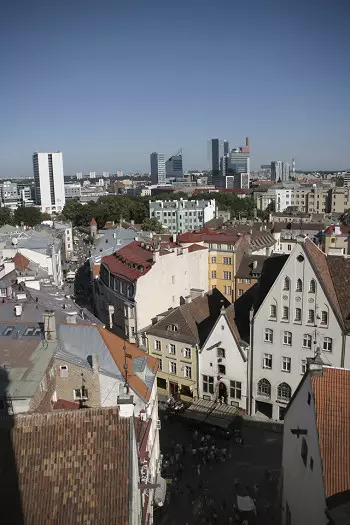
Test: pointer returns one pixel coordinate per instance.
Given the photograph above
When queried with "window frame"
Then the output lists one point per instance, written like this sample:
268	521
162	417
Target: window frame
261	390
287	338
285	360
172	349
186	369
236	388
267	358
187	350
307	337
327	344
285	313
268	335
208	384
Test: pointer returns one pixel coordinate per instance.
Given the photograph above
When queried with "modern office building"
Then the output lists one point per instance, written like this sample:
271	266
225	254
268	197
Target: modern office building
182	215
174	167
9	194
280	171
92	174
79	175
49	181
240	158
158	173
225	164
25	195
72	191
105	174
226	147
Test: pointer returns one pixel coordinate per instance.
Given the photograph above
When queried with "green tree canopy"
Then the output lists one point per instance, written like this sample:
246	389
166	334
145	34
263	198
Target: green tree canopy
28	216
152	225
5	216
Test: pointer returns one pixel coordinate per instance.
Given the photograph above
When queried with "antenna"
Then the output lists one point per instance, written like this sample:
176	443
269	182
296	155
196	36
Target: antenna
126	384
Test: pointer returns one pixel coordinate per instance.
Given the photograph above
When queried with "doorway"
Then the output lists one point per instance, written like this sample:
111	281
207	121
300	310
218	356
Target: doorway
263	409
222	393
174	389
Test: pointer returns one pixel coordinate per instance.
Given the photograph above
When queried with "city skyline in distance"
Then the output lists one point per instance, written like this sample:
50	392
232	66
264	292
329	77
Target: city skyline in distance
86	85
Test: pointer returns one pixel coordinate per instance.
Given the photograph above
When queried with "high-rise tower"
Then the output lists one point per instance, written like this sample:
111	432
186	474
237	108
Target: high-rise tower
49	181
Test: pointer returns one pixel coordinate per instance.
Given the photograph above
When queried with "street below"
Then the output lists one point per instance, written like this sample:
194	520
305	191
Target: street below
203	489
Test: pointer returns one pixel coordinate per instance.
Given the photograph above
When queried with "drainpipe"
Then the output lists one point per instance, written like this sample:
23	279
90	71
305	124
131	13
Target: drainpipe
342	358
250	364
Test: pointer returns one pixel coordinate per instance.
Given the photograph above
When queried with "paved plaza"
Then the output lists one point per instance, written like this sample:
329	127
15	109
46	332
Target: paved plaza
202	489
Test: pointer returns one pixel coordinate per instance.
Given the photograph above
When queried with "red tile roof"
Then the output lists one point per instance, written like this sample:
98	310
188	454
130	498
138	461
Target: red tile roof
21	262
134	254
332	401
344	230
196	247
63	404
208	237
66	465
115	345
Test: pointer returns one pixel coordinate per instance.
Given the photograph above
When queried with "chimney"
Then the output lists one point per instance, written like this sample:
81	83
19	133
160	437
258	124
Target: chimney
71	318
49	325
95	364
18	310
188	299
125	401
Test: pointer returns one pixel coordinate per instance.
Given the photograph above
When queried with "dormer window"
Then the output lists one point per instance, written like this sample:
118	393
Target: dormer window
172	327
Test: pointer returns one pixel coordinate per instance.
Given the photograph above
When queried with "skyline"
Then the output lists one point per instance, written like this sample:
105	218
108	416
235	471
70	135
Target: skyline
107	85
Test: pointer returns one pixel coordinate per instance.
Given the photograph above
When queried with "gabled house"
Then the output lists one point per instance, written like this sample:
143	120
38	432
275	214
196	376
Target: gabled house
175	337
302	306
223	363
316	449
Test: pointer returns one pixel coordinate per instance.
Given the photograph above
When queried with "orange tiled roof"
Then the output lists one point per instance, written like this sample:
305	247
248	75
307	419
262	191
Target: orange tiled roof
115	345
21	262
332	402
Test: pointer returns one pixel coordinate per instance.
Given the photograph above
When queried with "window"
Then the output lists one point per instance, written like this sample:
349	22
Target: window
172	349
227	276
284	392
187	371
312	286
264	388
287	338
286	364
248	281
267	361
54	397
324	317
222	369
157	345
303	366
268	337
172	367
64	371
227	290
221	352
240	281
297	315
236	389
304	451
187	353
80	394
213	274
172	327
240	292
307	341
132	330
286	283
227	260
285	313
29	330
8	330
299	287
213	260
160	364
311	317
327	344
273	311
208	384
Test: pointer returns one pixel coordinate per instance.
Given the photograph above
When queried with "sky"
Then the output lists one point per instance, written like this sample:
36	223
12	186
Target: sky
108	82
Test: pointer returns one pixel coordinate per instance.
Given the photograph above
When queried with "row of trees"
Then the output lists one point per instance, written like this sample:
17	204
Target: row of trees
27	216
116	207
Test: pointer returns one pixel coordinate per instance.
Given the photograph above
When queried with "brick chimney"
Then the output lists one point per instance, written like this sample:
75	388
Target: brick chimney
50	325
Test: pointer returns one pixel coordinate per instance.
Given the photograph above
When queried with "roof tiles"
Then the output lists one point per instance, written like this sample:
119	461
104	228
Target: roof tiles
332	401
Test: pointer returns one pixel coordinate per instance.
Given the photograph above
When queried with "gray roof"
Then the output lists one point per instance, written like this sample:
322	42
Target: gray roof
111	241
32	240
178	204
8	280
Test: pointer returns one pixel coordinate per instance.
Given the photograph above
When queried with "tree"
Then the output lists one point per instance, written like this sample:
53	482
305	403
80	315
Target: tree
152	225
5	216
27	216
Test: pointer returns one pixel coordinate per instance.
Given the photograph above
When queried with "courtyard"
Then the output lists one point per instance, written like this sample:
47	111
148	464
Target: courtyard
203	489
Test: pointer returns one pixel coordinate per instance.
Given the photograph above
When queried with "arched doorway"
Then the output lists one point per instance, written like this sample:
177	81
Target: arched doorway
222	393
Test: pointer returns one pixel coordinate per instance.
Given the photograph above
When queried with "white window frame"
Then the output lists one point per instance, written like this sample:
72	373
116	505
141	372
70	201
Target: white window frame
303	365
268	335
64	369
273	311
187	352
287	338
213	274
172	349
227	276
158	345
267	361
308	338
324	314
80	397
172	365
285	313
286	362
327	344
188	371
296	318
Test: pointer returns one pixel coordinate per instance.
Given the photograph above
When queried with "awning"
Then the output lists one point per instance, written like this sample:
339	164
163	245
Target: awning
160	492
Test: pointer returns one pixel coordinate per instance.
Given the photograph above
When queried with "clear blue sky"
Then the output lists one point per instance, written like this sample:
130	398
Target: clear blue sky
107	82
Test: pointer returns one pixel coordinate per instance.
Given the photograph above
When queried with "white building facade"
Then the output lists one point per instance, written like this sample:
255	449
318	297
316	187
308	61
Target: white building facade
295	319
182	215
223	364
49	181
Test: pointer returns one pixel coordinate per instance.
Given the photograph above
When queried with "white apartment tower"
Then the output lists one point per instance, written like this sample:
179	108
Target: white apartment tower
49	181
158	172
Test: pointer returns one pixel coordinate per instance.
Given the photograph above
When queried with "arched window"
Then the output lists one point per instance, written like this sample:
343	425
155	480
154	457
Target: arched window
264	388
312	286
284	392
286	283
221	352
299	287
